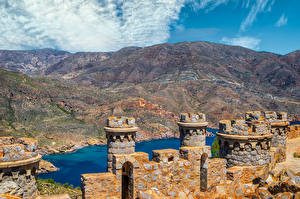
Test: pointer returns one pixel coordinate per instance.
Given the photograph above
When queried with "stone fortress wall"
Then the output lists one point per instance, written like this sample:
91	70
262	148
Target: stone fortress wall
18	164
248	149
171	173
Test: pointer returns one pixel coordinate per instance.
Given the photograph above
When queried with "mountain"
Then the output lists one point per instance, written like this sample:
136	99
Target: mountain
75	92
31	62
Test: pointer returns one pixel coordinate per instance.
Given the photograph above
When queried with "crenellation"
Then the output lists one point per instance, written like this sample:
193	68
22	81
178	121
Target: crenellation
120	122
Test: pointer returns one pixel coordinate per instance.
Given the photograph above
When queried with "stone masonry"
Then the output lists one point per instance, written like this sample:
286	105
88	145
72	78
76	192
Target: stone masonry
192	128
190	172
279	128
244	144
120	134
172	173
18	164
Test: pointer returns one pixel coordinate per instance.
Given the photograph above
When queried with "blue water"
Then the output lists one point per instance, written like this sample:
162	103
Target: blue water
294	122
93	159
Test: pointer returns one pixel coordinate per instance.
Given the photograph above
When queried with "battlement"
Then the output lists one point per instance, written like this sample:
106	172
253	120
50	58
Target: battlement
20	149
120	122
192	117
270	116
244	128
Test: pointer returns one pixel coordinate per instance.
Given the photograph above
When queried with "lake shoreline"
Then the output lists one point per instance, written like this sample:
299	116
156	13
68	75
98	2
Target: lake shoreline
98	142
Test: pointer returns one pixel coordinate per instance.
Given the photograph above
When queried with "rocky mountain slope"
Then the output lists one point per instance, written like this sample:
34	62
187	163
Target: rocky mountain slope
72	94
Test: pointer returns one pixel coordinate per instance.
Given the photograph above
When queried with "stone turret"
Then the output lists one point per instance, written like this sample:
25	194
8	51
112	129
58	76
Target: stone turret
245	142
192	129
18	164
120	134
279	128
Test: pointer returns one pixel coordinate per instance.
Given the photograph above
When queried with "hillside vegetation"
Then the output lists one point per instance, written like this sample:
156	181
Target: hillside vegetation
62	98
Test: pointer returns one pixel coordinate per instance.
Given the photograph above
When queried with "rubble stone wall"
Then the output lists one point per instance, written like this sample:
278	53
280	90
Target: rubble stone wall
192	128
293	131
19	181
119	144
172	173
192	136
18	164
244	152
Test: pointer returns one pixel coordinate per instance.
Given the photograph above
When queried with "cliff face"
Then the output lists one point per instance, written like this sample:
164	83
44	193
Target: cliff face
74	93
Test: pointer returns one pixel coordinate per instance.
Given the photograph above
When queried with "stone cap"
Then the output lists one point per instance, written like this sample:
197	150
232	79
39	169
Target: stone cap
270	116
17	149
192	117
121	124
254	115
192	120
244	137
242	128
20	162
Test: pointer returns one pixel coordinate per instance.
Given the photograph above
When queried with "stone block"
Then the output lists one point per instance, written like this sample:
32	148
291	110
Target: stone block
194	153
120	122
165	155
6	140
254	115
192	117
224	125
30	144
100	185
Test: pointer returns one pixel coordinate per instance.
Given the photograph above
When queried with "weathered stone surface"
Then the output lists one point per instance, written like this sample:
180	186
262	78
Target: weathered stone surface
120	134
18	165
243	173
293	131
100	185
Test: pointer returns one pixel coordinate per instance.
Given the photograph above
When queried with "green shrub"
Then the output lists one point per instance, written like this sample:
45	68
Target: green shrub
215	148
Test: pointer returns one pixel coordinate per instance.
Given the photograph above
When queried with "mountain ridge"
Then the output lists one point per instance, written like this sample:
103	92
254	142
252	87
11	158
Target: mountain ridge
67	99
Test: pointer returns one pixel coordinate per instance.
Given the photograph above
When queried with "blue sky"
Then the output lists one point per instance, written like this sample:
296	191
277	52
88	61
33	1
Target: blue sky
108	25
275	28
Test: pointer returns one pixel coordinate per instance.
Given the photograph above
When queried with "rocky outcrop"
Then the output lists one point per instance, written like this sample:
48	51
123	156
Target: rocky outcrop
45	167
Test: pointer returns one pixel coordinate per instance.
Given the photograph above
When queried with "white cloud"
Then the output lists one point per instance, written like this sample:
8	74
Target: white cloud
206	4
247	42
98	25
257	7
281	21
85	25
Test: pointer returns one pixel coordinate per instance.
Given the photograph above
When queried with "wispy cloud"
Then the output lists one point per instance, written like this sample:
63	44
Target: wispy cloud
257	7
247	42
281	21
85	25
206	4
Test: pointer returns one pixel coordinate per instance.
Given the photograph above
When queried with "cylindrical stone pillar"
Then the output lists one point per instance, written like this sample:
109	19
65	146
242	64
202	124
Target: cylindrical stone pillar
120	134
192	129
279	129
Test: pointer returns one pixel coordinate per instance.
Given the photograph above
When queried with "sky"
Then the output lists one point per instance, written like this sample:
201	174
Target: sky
108	25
